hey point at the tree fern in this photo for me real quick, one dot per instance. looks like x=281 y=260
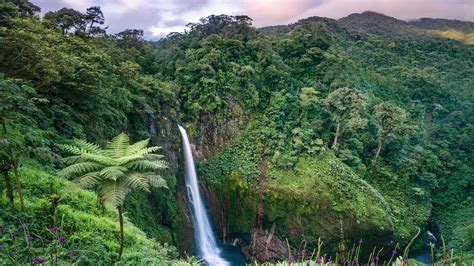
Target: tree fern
x=114 y=171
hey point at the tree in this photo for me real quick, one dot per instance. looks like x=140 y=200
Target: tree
x=114 y=171
x=130 y=38
x=26 y=8
x=68 y=19
x=16 y=105
x=390 y=120
x=93 y=18
x=345 y=106
x=8 y=11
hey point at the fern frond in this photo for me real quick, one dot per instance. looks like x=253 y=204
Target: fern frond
x=113 y=193
x=105 y=160
x=89 y=147
x=118 y=146
x=138 y=181
x=73 y=159
x=137 y=146
x=157 y=181
x=88 y=180
x=148 y=150
x=72 y=149
x=145 y=165
x=80 y=169
x=113 y=172
x=139 y=154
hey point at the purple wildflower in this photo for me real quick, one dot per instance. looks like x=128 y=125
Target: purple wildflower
x=291 y=259
x=72 y=254
x=39 y=260
x=15 y=235
x=29 y=238
x=353 y=249
x=319 y=260
x=394 y=252
x=53 y=229
x=61 y=239
x=360 y=241
x=355 y=261
x=405 y=261
x=377 y=258
x=307 y=263
x=372 y=259
x=446 y=263
x=303 y=254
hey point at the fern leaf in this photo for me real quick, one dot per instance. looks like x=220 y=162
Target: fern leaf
x=99 y=159
x=73 y=159
x=139 y=154
x=80 y=169
x=87 y=146
x=138 y=181
x=72 y=149
x=113 y=172
x=88 y=180
x=148 y=150
x=118 y=146
x=157 y=181
x=137 y=146
x=113 y=193
x=145 y=165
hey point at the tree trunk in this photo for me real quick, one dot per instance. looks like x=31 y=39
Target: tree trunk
x=18 y=186
x=379 y=148
x=121 y=232
x=261 y=187
x=15 y=169
x=336 y=136
x=8 y=183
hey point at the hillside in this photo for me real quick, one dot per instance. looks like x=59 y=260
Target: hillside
x=356 y=131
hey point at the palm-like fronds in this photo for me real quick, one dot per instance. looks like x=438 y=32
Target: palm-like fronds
x=115 y=170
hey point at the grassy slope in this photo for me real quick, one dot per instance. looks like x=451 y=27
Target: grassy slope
x=88 y=229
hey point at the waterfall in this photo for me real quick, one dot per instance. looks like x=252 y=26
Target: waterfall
x=203 y=233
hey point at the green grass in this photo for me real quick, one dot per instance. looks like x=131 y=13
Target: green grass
x=89 y=230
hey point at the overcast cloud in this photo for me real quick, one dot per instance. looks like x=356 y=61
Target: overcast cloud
x=159 y=17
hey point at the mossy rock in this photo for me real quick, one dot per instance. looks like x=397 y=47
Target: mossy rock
x=320 y=197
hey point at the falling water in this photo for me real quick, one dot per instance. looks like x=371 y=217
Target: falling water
x=204 y=235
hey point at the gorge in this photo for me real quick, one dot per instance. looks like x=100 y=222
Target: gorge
x=319 y=140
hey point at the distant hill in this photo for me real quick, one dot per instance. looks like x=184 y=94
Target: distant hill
x=443 y=24
x=380 y=24
x=376 y=23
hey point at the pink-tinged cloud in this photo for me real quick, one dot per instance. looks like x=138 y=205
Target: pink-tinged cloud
x=159 y=17
x=272 y=12
x=283 y=11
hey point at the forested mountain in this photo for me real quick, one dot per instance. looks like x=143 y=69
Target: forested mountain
x=358 y=128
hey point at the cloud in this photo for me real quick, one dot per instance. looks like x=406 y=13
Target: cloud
x=272 y=12
x=159 y=17
x=402 y=9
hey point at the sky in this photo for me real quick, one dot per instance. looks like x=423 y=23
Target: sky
x=159 y=17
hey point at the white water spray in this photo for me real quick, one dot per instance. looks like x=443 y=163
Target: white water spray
x=203 y=233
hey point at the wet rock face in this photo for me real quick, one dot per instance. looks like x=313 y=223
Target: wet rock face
x=183 y=226
x=265 y=246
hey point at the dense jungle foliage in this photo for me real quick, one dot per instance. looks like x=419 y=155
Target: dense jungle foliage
x=361 y=127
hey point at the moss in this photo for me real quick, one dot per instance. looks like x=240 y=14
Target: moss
x=318 y=196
